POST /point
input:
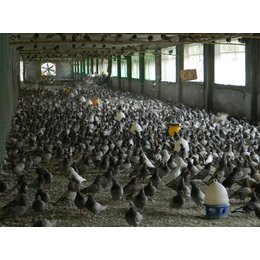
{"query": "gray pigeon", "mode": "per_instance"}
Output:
(150, 190)
(257, 190)
(242, 192)
(156, 179)
(68, 197)
(80, 202)
(38, 205)
(177, 201)
(94, 187)
(93, 206)
(132, 217)
(197, 195)
(257, 210)
(130, 188)
(140, 200)
(16, 210)
(116, 191)
(45, 223)
(3, 187)
(249, 207)
(203, 173)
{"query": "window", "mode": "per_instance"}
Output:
(48, 69)
(149, 65)
(135, 66)
(230, 62)
(95, 66)
(193, 59)
(21, 70)
(114, 68)
(102, 65)
(169, 64)
(86, 66)
(123, 67)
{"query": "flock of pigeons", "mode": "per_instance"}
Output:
(79, 136)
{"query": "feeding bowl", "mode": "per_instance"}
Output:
(216, 201)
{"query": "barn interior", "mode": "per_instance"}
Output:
(125, 71)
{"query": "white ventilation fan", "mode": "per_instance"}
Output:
(48, 69)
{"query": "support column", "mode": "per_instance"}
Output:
(179, 66)
(209, 68)
(252, 81)
(158, 72)
(141, 71)
(129, 71)
(119, 71)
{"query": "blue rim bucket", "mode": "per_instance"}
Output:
(217, 212)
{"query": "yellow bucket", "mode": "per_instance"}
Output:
(173, 129)
(68, 91)
(96, 102)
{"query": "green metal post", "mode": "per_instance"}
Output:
(208, 74)
(119, 71)
(129, 71)
(141, 71)
(179, 66)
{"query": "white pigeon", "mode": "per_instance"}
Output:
(147, 161)
(185, 144)
(72, 173)
(166, 156)
(176, 172)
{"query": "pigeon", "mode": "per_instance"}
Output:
(197, 195)
(174, 184)
(68, 197)
(242, 192)
(94, 187)
(177, 201)
(48, 177)
(116, 191)
(149, 190)
(140, 200)
(165, 38)
(20, 196)
(192, 168)
(3, 187)
(133, 37)
(28, 163)
(39, 181)
(93, 206)
(257, 190)
(17, 168)
(174, 173)
(38, 205)
(80, 202)
(45, 223)
(84, 166)
(249, 207)
(257, 210)
(202, 174)
(106, 181)
(130, 188)
(185, 188)
(155, 178)
(229, 181)
(133, 217)
(144, 172)
(150, 38)
(65, 165)
(15, 210)
(73, 174)
(147, 161)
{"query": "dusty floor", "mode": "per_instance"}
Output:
(156, 214)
